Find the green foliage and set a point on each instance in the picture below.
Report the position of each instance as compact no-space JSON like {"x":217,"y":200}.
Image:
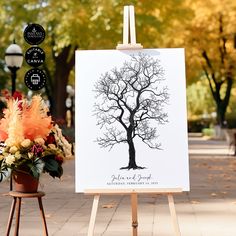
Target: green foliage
{"x":210,"y":132}
{"x":97,"y":24}
{"x":52,"y":167}
{"x":4,"y":173}
{"x":197,"y":125}
{"x":35,"y":167}
{"x":231,"y":122}
{"x":199,"y":100}
{"x":91,"y":24}
{"x":232,"y":104}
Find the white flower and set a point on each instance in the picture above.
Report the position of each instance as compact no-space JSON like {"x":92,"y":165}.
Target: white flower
{"x":10,"y":159}
{"x":39,"y":141}
{"x":18,"y":155}
{"x":26,"y":143}
{"x":13,"y":149}
{"x":52,"y":146}
{"x":30,"y":155}
{"x":11,"y":142}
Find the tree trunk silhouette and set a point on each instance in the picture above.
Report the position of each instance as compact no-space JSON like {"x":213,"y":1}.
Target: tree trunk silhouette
{"x":132,"y":154}
{"x":223,"y":103}
{"x":221,"y":110}
{"x":132,"y":161}
{"x":217,"y":80}
{"x":58,"y":79}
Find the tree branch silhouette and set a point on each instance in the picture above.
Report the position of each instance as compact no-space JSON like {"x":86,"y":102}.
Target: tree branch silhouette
{"x":128,"y":99}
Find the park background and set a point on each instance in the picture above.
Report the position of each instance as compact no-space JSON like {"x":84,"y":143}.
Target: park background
{"x":206,"y":30}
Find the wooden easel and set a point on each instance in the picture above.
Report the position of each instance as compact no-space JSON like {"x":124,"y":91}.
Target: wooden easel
{"x":134,"y":203}
{"x":129,"y":30}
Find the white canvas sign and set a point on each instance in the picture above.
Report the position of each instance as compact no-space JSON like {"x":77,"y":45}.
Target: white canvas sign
{"x":131,"y":122}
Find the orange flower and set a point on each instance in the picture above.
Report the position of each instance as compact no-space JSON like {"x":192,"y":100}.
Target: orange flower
{"x":3,"y":136}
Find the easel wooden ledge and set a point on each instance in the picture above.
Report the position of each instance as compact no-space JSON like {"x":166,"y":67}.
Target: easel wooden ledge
{"x":129,"y":29}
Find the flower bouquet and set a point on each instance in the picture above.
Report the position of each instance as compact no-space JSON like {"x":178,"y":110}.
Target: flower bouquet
{"x":30,"y":142}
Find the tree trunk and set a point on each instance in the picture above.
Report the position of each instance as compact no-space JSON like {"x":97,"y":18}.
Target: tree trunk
{"x":59,"y":93}
{"x":132,"y":161}
{"x":132,"y":155}
{"x":221,"y":110}
{"x":64,"y":63}
{"x":222,"y":104}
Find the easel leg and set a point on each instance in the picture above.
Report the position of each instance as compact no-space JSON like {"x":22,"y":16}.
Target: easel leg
{"x":173,"y":215}
{"x":17,"y":216}
{"x":11,"y":216}
{"x":134,"y":203}
{"x":93,"y":215}
{"x":43,"y":216}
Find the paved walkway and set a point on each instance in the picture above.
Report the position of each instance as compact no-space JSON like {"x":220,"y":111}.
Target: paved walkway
{"x":204,"y":147}
{"x":209,"y":209}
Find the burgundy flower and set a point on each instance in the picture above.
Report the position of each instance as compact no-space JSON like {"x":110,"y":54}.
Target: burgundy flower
{"x":17,"y":95}
{"x":59,"y":159}
{"x":37,"y":150}
{"x":6,"y":93}
{"x":50,"y":139}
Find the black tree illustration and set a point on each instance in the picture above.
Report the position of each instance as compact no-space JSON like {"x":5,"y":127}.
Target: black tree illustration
{"x":128,"y":99}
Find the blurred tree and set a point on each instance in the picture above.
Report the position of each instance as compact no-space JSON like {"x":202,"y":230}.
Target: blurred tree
{"x":209,"y":37}
{"x":3,"y":76}
{"x":84,"y":24}
{"x":199,"y":100}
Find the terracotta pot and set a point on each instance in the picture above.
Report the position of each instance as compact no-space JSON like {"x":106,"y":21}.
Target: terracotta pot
{"x":24,"y":182}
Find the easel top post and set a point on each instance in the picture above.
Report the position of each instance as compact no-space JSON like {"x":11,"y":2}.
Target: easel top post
{"x":126,"y":25}
{"x":129,"y":30}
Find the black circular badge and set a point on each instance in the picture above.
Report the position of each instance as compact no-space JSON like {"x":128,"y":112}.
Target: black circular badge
{"x":34,"y":34}
{"x":35,"y":56}
{"x":35,"y":79}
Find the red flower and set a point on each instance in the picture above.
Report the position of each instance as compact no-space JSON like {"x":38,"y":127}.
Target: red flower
{"x":50,"y":139}
{"x":59,"y":159}
{"x":37,"y":150}
{"x":17,"y":95}
{"x":6,"y":93}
